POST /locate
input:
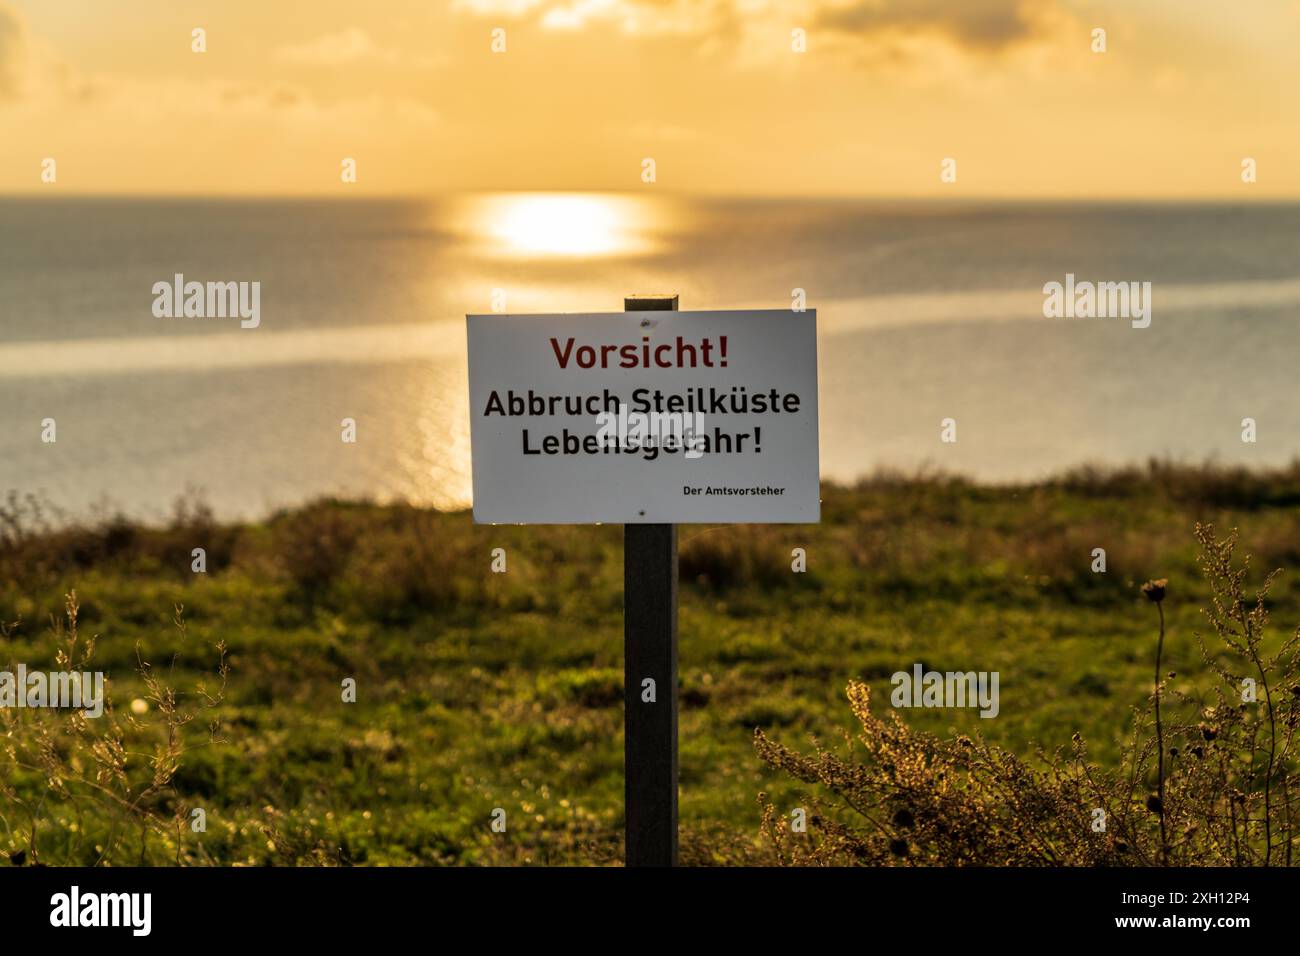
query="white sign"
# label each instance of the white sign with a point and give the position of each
(644, 417)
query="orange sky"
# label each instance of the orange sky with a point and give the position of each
(710, 89)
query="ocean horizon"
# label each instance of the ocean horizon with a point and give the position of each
(926, 311)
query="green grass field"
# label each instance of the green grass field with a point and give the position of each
(478, 690)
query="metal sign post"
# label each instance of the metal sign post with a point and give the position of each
(650, 654)
(538, 385)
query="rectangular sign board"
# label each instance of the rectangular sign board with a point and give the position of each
(644, 417)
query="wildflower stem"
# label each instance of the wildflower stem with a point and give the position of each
(1272, 755)
(1160, 742)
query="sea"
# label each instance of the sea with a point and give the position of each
(927, 310)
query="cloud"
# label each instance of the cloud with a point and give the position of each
(883, 32)
(13, 46)
(575, 17)
(333, 49)
(35, 81)
(217, 101)
(497, 8)
(630, 16)
(32, 75)
(985, 25)
(351, 45)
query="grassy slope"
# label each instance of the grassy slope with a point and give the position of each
(479, 690)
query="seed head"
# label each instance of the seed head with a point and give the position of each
(1155, 590)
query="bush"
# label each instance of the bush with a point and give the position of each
(725, 558)
(1214, 787)
(107, 790)
(312, 546)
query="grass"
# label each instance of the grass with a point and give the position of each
(477, 690)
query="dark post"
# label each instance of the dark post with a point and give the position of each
(650, 651)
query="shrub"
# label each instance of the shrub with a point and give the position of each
(81, 791)
(312, 546)
(1212, 787)
(725, 558)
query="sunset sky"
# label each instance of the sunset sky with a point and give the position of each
(710, 89)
